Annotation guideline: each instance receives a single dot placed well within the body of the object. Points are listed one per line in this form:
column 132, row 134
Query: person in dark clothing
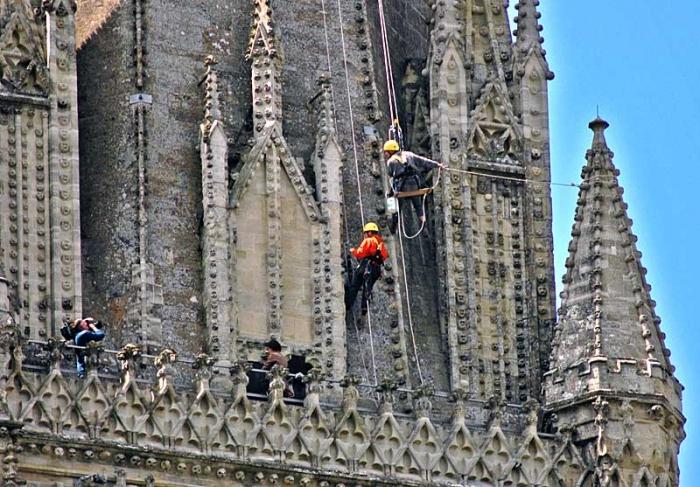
column 84, row 331
column 371, row 254
column 407, row 171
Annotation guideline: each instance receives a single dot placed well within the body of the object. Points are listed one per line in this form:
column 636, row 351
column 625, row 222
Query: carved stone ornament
column 22, row 56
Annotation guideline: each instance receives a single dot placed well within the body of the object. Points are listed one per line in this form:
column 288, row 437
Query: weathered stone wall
column 175, row 42
column 109, row 180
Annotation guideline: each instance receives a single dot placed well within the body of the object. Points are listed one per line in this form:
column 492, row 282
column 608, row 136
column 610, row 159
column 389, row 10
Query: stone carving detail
column 169, row 431
column 415, row 93
column 22, row 52
column 495, row 133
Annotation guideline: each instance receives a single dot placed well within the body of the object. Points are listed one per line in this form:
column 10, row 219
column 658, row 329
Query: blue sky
column 638, row 61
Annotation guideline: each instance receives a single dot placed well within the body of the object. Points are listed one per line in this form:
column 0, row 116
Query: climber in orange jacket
column 371, row 254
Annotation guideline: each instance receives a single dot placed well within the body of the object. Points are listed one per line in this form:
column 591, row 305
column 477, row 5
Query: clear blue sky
column 639, row 61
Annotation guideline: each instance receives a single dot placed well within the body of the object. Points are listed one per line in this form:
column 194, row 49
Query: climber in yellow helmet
column 407, row 171
column 371, row 254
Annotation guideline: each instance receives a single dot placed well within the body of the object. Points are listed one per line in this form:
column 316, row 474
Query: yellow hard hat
column 391, row 146
column 370, row 227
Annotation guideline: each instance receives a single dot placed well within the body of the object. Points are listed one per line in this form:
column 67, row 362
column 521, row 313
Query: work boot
column 393, row 221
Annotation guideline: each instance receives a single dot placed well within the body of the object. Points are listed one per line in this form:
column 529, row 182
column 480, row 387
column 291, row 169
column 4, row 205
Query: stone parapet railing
column 97, row 424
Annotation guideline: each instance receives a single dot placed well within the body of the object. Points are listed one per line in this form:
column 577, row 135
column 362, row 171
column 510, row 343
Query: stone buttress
column 488, row 121
column 39, row 193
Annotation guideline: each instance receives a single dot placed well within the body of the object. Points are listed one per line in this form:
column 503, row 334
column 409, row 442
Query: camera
column 98, row 324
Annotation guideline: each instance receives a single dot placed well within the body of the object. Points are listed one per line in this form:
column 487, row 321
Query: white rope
column 388, row 69
column 387, row 62
column 422, row 224
column 393, row 109
column 352, row 119
column 408, row 300
column 357, row 177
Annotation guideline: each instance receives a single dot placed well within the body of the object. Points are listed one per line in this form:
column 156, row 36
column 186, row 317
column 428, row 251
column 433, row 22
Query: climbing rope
column 395, row 130
column 388, row 69
column 408, row 302
column 357, row 174
column 348, row 262
column 424, row 197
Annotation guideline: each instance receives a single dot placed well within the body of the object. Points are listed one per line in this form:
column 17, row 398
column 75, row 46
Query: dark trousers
column 82, row 339
column 363, row 277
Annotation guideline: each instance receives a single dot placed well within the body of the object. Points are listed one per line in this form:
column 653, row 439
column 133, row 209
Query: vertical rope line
column 408, row 297
column 387, row 61
column 357, row 173
column 352, row 119
column 348, row 263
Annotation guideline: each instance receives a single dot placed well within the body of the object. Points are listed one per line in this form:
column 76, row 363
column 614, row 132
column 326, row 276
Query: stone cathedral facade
column 194, row 173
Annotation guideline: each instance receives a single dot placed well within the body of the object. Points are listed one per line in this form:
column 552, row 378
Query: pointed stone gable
column 22, row 51
column 273, row 206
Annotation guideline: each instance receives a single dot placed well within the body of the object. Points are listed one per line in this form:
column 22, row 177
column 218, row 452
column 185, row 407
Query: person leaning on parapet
column 407, row 171
column 273, row 356
column 84, row 331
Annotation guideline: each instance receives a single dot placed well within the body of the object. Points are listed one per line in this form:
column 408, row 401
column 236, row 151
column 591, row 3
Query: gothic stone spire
column 529, row 28
column 266, row 67
column 605, row 277
column 607, row 315
column 607, row 344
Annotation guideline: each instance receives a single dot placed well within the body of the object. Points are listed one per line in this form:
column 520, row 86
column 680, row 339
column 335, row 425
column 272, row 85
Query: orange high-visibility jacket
column 371, row 247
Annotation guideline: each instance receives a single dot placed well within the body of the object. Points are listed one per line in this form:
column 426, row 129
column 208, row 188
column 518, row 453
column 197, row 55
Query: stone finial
column 386, row 389
column 496, row 408
column 601, row 408
column 325, row 114
column 262, row 35
column 265, row 69
column 9, row 451
column 527, row 20
column 598, row 126
column 533, row 408
column 203, row 364
column 459, row 398
column 10, row 332
column 211, row 98
column 314, row 386
column 239, row 377
column 164, row 361
column 54, row 348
